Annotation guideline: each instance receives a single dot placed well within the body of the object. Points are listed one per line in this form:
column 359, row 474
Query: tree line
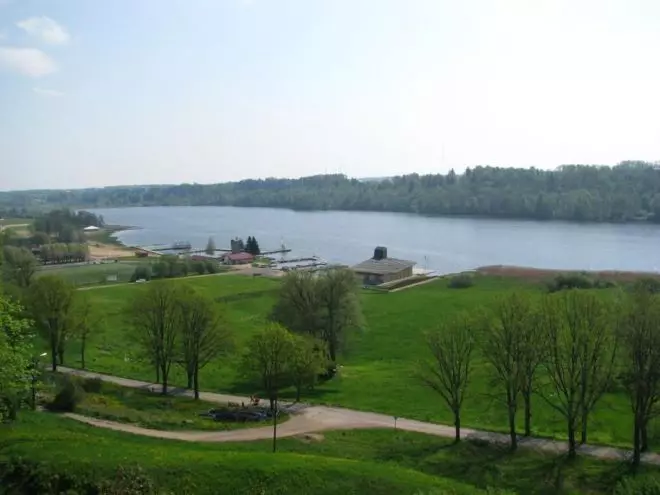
column 627, row 192
column 568, row 348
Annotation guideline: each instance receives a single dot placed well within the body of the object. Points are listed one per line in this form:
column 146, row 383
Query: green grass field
column 378, row 369
column 91, row 274
column 152, row 410
column 329, row 467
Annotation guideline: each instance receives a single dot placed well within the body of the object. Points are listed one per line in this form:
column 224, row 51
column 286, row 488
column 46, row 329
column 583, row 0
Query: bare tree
column 155, row 317
column 49, row 301
column 82, row 322
column 639, row 330
column 205, row 334
column 448, row 372
column 532, row 354
column 580, row 358
column 268, row 360
column 505, row 349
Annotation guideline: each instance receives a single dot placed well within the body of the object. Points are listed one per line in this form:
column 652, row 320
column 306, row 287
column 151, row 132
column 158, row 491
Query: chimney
column 380, row 253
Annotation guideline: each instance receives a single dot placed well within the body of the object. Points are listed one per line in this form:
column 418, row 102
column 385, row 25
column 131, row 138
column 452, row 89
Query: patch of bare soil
column 98, row 250
column 539, row 274
column 310, row 437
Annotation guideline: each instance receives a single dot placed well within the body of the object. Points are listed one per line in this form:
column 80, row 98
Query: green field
column 378, row 369
column 93, row 454
column 359, row 462
column 151, row 410
column 91, row 274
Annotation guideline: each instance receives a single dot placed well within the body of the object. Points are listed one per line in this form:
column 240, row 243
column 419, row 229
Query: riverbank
column 540, row 274
column 103, row 243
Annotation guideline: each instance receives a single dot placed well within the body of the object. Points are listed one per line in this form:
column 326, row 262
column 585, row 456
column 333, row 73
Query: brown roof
column 239, row 256
column 383, row 266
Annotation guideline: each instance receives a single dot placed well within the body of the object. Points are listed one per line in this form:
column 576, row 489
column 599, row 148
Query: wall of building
column 374, row 279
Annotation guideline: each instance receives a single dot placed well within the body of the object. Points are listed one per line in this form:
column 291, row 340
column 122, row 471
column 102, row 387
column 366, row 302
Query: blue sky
column 97, row 93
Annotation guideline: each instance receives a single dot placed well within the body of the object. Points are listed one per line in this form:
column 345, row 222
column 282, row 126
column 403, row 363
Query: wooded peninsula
column 627, row 192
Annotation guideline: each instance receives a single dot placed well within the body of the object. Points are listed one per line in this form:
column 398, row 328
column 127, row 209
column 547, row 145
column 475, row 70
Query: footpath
column 313, row 419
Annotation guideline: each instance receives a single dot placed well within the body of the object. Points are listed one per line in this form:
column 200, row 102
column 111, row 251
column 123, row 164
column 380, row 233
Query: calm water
column 443, row 244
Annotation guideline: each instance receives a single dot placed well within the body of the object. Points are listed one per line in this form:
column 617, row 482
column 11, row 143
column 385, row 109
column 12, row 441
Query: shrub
column 128, row 481
column 212, row 267
column 198, row 267
column 570, row 281
column 462, row 281
column 92, row 385
column 141, row 272
column 68, row 396
column 651, row 285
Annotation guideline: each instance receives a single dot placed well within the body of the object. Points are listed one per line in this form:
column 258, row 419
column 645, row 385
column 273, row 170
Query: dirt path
column 311, row 419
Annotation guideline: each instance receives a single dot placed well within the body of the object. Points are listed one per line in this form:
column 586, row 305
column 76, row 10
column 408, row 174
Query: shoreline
column 531, row 273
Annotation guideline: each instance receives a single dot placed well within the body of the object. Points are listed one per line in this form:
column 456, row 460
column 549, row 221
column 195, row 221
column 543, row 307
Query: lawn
column 360, row 462
column 32, row 461
column 378, row 367
column 91, row 274
column 152, row 410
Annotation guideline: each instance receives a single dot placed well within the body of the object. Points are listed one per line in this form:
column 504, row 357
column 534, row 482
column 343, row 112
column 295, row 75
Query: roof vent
column 380, row 253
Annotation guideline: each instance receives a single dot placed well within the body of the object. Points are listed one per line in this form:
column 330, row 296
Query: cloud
column 27, row 61
column 48, row 92
column 45, row 28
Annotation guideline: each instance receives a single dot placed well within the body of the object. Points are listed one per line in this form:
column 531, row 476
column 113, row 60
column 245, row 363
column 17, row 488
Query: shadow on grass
column 485, row 465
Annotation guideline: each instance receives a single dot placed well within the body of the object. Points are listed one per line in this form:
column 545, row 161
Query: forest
column 627, row 192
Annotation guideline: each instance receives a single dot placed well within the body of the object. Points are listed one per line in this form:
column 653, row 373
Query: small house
column 238, row 258
column 380, row 269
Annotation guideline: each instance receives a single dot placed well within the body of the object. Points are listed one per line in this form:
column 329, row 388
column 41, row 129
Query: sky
column 96, row 93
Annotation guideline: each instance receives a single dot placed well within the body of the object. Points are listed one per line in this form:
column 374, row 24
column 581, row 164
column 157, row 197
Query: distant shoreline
column 531, row 273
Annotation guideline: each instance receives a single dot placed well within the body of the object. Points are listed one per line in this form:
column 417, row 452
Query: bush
column 570, row 281
column 68, row 397
column 141, row 272
column 651, row 285
column 128, row 481
column 92, row 385
column 462, row 281
column 198, row 267
column 212, row 267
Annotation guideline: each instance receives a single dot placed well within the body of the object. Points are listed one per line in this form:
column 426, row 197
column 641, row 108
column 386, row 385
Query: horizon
column 213, row 92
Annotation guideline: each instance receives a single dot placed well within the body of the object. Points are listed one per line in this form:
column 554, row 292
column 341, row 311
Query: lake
column 446, row 245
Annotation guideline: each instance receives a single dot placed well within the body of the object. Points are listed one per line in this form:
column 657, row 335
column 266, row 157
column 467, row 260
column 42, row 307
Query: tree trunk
column 274, row 411
column 190, row 377
column 298, row 390
column 637, row 447
column 196, row 382
column 512, row 428
column 157, row 374
column 60, row 353
column 527, row 396
column 583, row 432
column 644, row 436
column 164, row 375
column 53, row 352
column 82, row 353
column 457, row 426
column 572, row 447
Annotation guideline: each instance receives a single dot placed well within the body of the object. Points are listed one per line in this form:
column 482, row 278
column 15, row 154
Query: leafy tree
column 205, row 334
column 15, row 349
column 506, row 351
column 580, row 359
column 19, row 266
column 49, row 301
column 155, row 316
column 449, row 369
column 268, row 361
column 210, row 246
column 307, row 363
column 639, row 330
column 325, row 306
column 40, row 238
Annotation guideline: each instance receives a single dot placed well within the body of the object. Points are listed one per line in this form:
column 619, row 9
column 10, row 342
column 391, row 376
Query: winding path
column 311, row 419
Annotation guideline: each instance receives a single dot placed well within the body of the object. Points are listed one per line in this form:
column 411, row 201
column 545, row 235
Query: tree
column 155, row 316
column 308, row 361
column 210, row 247
column 15, row 349
column 639, row 329
column 325, row 306
column 448, row 371
column 205, row 334
column 580, row 359
column 49, row 302
column 505, row 350
column 340, row 308
column 82, row 322
column 268, row 360
column 19, row 266
column 532, row 354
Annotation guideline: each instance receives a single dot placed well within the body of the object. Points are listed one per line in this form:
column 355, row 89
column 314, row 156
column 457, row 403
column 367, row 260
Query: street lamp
column 35, row 366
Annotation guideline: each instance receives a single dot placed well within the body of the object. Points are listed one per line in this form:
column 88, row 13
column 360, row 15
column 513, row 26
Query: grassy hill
column 378, row 369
